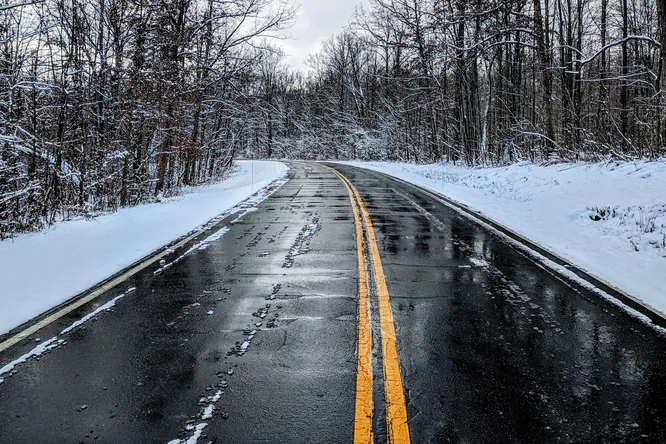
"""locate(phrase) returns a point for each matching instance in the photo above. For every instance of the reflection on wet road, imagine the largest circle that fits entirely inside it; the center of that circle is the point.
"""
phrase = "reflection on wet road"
(494, 348)
(252, 337)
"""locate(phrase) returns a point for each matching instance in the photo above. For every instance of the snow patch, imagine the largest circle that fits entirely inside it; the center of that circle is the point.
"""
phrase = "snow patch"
(644, 227)
(243, 214)
(302, 243)
(209, 240)
(198, 430)
(216, 397)
(299, 246)
(478, 262)
(208, 412)
(54, 342)
(34, 353)
(108, 306)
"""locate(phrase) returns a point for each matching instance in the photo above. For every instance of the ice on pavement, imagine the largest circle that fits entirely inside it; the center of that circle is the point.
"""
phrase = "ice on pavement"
(478, 262)
(55, 342)
(302, 242)
(571, 276)
(208, 412)
(299, 246)
(34, 353)
(608, 218)
(109, 305)
(216, 397)
(243, 214)
(243, 209)
(198, 430)
(41, 270)
(209, 240)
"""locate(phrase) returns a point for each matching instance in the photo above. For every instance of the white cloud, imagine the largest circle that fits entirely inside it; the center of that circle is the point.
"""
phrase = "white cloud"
(316, 21)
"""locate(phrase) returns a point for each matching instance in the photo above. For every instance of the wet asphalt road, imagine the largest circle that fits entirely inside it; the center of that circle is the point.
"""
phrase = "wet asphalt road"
(262, 325)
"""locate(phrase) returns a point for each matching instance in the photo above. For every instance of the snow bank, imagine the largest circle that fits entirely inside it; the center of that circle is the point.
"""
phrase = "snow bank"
(41, 270)
(607, 218)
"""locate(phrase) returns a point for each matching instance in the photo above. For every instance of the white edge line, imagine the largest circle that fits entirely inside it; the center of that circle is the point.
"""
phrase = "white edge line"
(20, 336)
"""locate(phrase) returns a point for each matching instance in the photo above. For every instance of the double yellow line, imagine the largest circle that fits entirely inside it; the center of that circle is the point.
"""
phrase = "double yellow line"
(396, 410)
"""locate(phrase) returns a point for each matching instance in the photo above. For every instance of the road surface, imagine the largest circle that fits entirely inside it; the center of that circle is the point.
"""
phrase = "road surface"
(278, 331)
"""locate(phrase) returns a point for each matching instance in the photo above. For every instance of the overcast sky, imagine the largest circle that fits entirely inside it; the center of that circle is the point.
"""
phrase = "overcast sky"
(316, 21)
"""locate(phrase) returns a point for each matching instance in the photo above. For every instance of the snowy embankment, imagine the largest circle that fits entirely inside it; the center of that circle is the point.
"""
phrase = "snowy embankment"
(607, 218)
(41, 270)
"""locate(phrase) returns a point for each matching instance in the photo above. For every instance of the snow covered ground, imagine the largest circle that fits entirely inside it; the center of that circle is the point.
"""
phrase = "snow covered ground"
(607, 218)
(41, 270)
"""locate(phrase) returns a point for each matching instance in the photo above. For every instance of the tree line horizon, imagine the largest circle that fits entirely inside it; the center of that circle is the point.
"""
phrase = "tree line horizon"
(111, 103)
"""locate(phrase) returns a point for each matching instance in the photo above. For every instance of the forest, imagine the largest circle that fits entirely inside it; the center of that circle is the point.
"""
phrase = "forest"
(480, 82)
(111, 103)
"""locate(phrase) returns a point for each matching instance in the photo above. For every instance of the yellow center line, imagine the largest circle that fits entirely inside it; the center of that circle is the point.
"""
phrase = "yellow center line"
(364, 404)
(396, 409)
